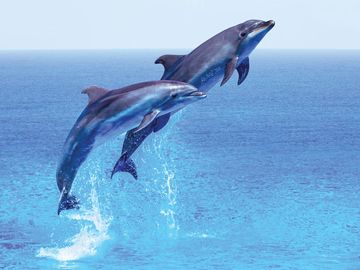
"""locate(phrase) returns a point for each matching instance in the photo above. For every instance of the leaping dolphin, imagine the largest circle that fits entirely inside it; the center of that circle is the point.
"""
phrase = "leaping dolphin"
(114, 112)
(214, 59)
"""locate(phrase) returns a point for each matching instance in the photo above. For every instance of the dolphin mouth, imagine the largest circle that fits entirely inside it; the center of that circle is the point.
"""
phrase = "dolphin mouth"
(262, 29)
(197, 94)
(270, 23)
(266, 25)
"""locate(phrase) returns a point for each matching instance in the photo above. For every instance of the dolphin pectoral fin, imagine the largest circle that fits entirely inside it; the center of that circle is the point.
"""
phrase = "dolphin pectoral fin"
(169, 61)
(67, 202)
(94, 93)
(147, 120)
(161, 122)
(125, 164)
(243, 70)
(229, 70)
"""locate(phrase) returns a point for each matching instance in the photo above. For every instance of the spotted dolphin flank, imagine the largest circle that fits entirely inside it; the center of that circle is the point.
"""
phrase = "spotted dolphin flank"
(114, 112)
(214, 60)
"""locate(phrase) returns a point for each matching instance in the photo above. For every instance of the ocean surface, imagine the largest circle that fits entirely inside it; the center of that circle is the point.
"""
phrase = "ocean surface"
(261, 176)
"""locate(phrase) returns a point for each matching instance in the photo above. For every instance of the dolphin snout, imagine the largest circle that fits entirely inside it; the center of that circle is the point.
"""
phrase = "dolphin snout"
(270, 24)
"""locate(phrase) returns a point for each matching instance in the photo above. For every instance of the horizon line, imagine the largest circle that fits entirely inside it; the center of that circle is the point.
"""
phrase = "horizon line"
(138, 49)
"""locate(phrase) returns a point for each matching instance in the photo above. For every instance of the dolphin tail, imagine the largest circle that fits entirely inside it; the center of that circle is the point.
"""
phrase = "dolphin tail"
(67, 201)
(125, 164)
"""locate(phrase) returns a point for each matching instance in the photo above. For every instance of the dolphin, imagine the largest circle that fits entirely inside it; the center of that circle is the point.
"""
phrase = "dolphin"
(114, 112)
(215, 59)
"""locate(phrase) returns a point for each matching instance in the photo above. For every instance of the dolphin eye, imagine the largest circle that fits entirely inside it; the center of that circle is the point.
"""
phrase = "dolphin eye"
(243, 34)
(173, 95)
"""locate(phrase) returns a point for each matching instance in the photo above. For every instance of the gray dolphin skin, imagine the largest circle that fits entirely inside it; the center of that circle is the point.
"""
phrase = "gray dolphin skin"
(215, 59)
(114, 112)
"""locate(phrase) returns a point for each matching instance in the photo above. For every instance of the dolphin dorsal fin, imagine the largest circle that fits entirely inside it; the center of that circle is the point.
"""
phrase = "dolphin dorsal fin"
(94, 93)
(169, 61)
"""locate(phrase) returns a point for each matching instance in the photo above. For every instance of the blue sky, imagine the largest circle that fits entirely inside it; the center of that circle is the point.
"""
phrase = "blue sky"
(116, 24)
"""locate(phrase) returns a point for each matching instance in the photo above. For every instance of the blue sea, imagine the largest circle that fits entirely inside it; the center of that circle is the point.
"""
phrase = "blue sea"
(261, 176)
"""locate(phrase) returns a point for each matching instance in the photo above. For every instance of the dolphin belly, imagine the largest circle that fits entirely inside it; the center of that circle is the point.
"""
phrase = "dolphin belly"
(115, 126)
(209, 78)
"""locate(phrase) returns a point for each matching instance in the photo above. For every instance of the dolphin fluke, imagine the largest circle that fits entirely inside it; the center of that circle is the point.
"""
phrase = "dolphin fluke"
(67, 202)
(125, 164)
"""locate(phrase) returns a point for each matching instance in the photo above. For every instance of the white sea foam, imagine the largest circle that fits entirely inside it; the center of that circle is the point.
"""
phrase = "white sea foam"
(200, 235)
(86, 242)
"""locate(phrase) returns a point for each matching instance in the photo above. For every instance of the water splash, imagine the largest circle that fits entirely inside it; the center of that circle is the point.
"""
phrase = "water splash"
(91, 235)
(169, 189)
(170, 192)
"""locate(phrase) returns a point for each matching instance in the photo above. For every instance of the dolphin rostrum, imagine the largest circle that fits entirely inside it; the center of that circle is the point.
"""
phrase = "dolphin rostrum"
(114, 112)
(215, 59)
